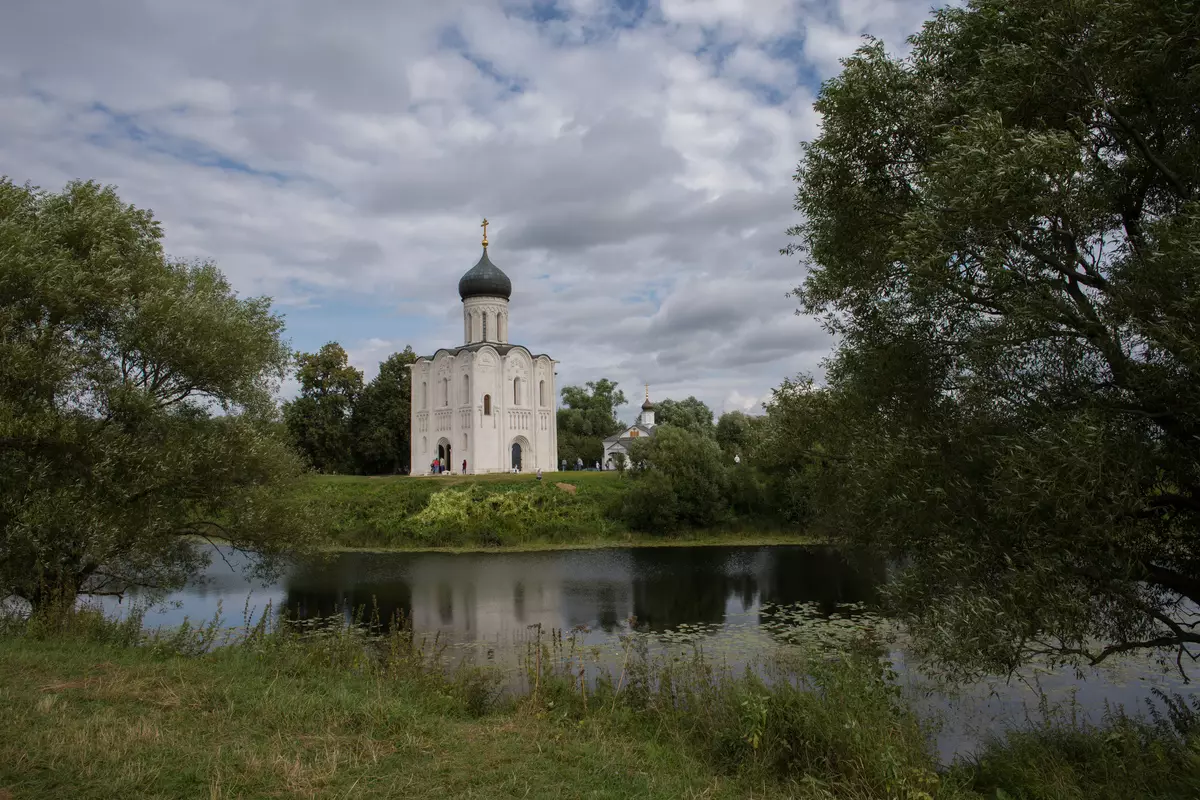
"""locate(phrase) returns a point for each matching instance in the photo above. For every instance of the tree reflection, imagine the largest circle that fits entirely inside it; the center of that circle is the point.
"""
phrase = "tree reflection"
(821, 575)
(337, 589)
(677, 585)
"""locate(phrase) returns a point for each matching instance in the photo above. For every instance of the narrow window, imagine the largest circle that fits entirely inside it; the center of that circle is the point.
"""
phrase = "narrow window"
(466, 390)
(516, 391)
(487, 405)
(424, 394)
(485, 327)
(445, 391)
(541, 393)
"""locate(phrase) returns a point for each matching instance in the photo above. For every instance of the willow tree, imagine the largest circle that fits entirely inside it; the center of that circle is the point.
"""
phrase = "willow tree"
(136, 404)
(1003, 227)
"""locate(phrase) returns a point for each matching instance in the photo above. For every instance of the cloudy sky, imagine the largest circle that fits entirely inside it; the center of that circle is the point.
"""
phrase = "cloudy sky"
(634, 158)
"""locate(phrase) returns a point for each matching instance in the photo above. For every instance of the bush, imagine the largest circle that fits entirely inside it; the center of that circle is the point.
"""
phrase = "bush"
(651, 505)
(479, 514)
(747, 491)
(686, 466)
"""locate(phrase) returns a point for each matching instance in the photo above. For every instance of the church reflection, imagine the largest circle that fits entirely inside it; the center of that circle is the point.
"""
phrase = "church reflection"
(495, 596)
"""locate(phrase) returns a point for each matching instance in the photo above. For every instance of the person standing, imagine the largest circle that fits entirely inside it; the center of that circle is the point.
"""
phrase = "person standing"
(464, 467)
(539, 473)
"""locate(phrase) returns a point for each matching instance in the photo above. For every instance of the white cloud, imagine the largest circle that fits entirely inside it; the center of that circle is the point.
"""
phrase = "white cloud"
(636, 162)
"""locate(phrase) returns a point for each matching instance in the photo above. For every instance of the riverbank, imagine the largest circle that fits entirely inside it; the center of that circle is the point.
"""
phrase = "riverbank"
(90, 715)
(499, 512)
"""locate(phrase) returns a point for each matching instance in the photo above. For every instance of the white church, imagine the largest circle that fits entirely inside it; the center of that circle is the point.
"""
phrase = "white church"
(487, 402)
(620, 442)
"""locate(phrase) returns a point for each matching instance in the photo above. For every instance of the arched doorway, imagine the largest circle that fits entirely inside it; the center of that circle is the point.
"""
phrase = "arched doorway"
(444, 455)
(521, 454)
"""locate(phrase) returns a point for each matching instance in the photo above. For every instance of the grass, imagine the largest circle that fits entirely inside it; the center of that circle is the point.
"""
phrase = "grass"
(104, 722)
(501, 511)
(96, 709)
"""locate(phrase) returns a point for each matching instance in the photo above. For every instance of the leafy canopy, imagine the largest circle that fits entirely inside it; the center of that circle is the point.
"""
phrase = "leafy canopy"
(380, 419)
(690, 414)
(1004, 232)
(136, 396)
(319, 420)
(679, 479)
(587, 417)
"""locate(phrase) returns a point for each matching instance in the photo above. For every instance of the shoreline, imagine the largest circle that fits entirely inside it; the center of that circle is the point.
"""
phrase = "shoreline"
(705, 540)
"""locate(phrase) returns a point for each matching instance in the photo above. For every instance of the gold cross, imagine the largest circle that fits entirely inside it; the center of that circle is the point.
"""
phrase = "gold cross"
(647, 391)
(484, 226)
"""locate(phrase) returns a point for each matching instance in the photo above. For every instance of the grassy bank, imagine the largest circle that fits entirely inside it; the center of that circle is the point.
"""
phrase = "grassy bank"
(496, 511)
(89, 715)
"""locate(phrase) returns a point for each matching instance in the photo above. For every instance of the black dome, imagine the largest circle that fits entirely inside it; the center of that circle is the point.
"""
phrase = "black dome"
(485, 278)
(647, 406)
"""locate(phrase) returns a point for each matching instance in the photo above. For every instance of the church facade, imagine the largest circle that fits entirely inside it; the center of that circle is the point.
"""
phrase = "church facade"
(487, 402)
(619, 443)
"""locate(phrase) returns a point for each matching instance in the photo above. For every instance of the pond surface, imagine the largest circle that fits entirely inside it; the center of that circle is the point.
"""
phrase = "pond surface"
(737, 603)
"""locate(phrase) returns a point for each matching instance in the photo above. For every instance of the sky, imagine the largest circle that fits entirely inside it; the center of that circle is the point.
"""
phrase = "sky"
(634, 159)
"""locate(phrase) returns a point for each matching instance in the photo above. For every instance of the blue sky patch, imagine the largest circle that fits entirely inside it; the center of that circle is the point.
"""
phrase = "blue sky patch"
(125, 127)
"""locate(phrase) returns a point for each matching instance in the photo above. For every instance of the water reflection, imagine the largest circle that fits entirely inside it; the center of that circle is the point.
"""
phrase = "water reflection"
(491, 595)
(732, 593)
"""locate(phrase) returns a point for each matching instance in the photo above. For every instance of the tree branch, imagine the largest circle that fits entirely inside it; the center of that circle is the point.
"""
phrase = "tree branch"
(1184, 585)
(1146, 152)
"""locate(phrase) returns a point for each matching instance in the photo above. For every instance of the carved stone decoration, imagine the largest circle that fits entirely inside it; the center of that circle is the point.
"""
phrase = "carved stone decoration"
(485, 395)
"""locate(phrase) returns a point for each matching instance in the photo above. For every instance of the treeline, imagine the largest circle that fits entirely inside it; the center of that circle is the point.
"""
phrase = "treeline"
(694, 473)
(341, 424)
(589, 415)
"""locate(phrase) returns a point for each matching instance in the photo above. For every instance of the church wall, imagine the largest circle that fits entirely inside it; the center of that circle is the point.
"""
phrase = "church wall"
(486, 428)
(447, 397)
(419, 388)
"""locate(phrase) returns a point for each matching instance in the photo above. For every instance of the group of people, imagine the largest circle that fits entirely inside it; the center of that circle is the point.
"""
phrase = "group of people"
(438, 466)
(578, 464)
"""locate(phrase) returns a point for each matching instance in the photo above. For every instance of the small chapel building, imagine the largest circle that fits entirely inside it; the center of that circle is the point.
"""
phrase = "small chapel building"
(620, 442)
(487, 402)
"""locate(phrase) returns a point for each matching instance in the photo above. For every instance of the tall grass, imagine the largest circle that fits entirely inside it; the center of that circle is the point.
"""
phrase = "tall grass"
(809, 725)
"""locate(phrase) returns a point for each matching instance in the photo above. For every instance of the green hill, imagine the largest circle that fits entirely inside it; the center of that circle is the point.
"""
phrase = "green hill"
(488, 511)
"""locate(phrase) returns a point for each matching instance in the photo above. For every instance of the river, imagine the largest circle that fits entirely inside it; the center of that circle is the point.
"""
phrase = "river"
(738, 603)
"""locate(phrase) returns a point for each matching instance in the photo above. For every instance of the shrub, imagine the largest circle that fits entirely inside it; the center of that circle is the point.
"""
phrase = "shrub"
(651, 505)
(687, 466)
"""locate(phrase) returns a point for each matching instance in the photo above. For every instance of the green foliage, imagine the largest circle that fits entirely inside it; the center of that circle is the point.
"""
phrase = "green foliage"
(1124, 758)
(791, 447)
(380, 419)
(1003, 228)
(481, 514)
(136, 403)
(319, 421)
(678, 479)
(690, 414)
(651, 504)
(588, 416)
(382, 512)
(735, 431)
(491, 510)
